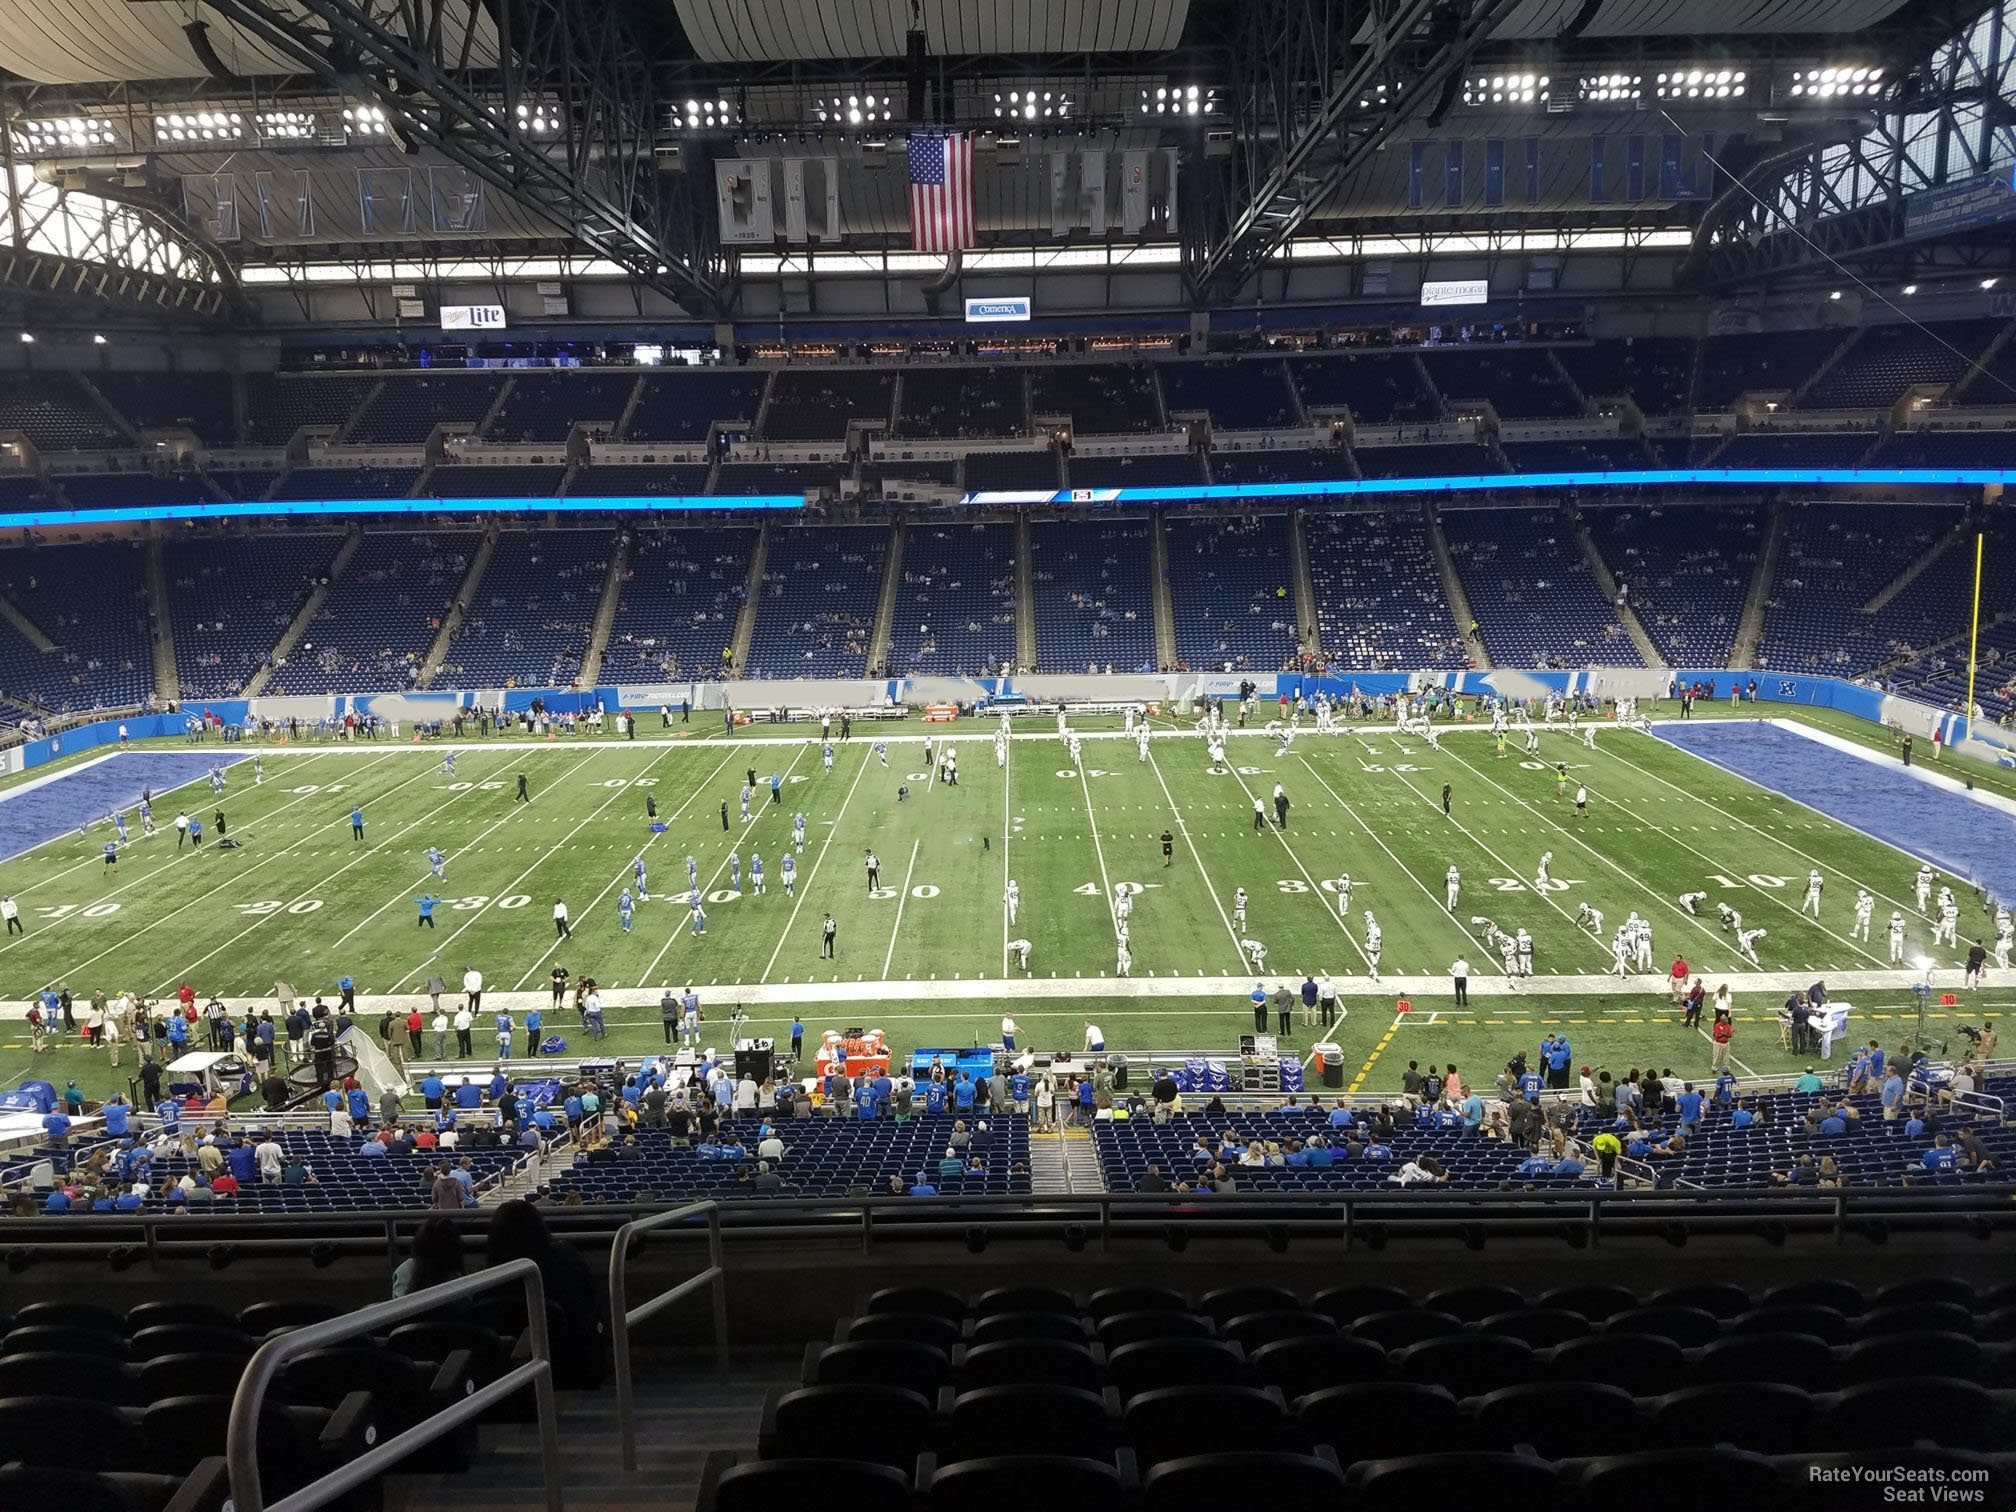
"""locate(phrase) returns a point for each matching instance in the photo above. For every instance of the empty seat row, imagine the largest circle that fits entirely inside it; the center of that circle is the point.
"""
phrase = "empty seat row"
(1208, 1481)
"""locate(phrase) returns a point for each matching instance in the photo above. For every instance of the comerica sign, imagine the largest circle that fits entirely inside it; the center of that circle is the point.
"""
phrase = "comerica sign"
(1016, 308)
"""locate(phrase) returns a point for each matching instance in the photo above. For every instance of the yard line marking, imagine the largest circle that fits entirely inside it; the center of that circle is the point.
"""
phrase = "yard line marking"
(734, 848)
(1238, 950)
(294, 849)
(89, 860)
(812, 875)
(147, 876)
(1374, 837)
(1105, 883)
(1785, 844)
(1664, 902)
(511, 813)
(368, 852)
(1315, 887)
(1377, 1051)
(550, 851)
(1007, 827)
(1510, 870)
(901, 898)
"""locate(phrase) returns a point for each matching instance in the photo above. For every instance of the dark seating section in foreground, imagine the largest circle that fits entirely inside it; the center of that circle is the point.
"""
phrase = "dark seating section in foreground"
(103, 1411)
(1367, 1396)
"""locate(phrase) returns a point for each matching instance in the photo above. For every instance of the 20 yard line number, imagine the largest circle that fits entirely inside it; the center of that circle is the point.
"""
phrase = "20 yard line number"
(265, 907)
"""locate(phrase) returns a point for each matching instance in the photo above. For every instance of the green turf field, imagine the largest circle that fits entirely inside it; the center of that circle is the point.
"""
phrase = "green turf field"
(923, 955)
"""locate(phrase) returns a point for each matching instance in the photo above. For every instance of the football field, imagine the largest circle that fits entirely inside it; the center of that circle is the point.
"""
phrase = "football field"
(925, 952)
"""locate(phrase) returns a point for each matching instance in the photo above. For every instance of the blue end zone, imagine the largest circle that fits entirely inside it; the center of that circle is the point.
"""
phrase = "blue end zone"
(1959, 835)
(38, 815)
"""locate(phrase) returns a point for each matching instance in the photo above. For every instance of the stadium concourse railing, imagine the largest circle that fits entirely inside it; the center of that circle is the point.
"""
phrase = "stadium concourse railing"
(241, 1450)
(623, 1317)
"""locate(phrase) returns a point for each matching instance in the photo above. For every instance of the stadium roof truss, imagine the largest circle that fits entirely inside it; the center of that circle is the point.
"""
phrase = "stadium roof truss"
(74, 238)
(579, 65)
(1845, 203)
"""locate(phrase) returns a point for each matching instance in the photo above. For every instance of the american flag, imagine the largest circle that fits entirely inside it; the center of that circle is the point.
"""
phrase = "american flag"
(941, 192)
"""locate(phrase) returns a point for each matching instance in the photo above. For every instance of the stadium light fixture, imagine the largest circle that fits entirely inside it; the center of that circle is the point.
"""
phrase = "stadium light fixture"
(854, 110)
(1181, 100)
(1835, 82)
(98, 339)
(538, 119)
(1989, 283)
(1379, 96)
(285, 125)
(196, 128)
(1910, 289)
(1702, 84)
(1834, 294)
(1604, 88)
(1032, 105)
(366, 121)
(716, 114)
(27, 338)
(64, 134)
(1507, 89)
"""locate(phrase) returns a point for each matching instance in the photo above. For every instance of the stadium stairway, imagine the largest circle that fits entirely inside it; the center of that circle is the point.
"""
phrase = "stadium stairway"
(1025, 595)
(1607, 581)
(752, 597)
(1750, 624)
(1452, 589)
(305, 616)
(1310, 628)
(166, 683)
(30, 631)
(1049, 1167)
(464, 596)
(1911, 573)
(885, 601)
(1822, 368)
(1165, 606)
(1567, 378)
(605, 612)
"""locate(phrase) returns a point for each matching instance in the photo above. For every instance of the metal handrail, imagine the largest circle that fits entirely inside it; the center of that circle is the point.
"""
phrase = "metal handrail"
(623, 1318)
(242, 1442)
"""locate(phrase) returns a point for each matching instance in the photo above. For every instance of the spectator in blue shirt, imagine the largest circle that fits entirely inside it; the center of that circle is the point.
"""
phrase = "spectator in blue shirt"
(56, 1125)
(1322, 1157)
(1535, 1165)
(1893, 1096)
(430, 1090)
(1941, 1157)
(1742, 1117)
(1473, 1111)
(1341, 1117)
(116, 1113)
(370, 1149)
(922, 1187)
(469, 1095)
(1690, 1108)
(244, 1162)
(360, 1105)
(1568, 1166)
(1914, 1127)
(963, 1093)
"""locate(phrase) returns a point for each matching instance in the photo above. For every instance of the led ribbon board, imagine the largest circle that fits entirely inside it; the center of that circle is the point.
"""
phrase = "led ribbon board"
(1200, 493)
